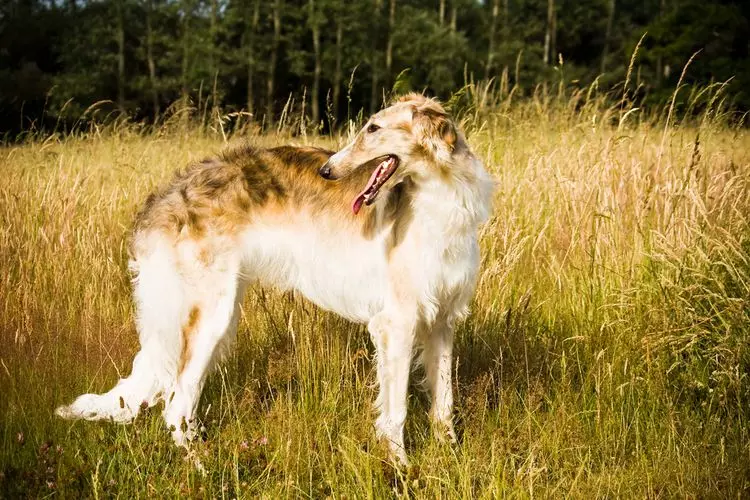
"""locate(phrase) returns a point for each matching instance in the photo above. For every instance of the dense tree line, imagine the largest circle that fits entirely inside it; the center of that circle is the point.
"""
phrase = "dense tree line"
(57, 57)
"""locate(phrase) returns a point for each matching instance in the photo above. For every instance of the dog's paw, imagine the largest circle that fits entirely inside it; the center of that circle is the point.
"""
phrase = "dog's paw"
(66, 412)
(86, 406)
(183, 428)
(97, 407)
(391, 437)
(398, 456)
(183, 434)
(444, 432)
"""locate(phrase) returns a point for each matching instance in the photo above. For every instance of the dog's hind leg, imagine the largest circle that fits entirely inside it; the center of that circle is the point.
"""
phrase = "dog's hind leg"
(211, 326)
(121, 403)
(159, 297)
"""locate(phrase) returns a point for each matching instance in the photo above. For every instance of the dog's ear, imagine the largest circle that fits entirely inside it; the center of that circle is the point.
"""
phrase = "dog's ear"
(434, 127)
(448, 132)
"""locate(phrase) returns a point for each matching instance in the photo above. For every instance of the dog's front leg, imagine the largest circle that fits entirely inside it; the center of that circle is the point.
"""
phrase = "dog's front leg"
(393, 332)
(437, 357)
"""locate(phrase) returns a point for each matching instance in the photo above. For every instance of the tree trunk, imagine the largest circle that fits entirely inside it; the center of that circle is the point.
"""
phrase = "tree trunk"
(374, 90)
(214, 56)
(315, 27)
(337, 75)
(120, 55)
(272, 63)
(389, 46)
(607, 36)
(185, 49)
(550, 36)
(150, 58)
(506, 19)
(659, 60)
(442, 12)
(493, 30)
(252, 28)
(454, 15)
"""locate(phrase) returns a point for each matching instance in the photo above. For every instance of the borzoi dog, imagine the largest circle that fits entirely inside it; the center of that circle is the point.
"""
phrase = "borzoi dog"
(384, 232)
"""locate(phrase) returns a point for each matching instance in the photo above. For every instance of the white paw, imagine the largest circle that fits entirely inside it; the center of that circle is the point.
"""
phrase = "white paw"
(97, 407)
(183, 433)
(398, 455)
(180, 422)
(392, 435)
(443, 431)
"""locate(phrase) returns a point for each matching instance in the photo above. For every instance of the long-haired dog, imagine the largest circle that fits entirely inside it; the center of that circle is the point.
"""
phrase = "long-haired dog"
(383, 232)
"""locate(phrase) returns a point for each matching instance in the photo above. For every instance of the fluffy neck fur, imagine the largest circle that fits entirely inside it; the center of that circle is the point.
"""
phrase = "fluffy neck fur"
(470, 190)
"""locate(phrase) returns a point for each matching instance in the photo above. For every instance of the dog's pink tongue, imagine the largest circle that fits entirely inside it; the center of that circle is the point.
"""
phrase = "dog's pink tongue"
(357, 204)
(360, 199)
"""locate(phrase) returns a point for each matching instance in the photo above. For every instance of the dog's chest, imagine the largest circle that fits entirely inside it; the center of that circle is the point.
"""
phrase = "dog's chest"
(455, 265)
(448, 255)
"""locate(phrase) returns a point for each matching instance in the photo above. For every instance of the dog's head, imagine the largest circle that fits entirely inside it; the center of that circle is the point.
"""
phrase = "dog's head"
(414, 137)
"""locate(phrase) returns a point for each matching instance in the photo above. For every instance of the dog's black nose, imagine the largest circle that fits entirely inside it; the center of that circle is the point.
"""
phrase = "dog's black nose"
(325, 171)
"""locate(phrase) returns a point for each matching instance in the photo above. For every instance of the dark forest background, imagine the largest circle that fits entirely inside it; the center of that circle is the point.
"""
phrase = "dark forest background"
(58, 57)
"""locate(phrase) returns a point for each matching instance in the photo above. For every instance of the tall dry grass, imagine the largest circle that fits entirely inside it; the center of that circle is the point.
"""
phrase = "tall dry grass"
(607, 353)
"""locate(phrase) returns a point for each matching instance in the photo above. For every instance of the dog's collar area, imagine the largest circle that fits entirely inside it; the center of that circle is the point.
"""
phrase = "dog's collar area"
(386, 167)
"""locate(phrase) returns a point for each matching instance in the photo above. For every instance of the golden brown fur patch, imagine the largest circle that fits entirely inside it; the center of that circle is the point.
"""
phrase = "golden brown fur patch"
(188, 332)
(221, 195)
(431, 120)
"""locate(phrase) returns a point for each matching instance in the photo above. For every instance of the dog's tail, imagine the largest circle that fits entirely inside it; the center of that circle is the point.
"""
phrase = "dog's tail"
(159, 297)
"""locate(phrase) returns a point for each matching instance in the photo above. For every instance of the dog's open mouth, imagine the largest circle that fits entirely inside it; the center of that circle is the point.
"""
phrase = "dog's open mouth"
(382, 173)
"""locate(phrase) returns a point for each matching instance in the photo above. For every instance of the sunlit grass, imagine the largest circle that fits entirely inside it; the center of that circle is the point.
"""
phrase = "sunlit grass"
(607, 354)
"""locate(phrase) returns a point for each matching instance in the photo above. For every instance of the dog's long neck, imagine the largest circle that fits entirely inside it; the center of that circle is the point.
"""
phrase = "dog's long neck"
(460, 201)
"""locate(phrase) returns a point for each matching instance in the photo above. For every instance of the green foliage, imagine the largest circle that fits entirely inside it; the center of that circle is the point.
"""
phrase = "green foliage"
(717, 31)
(432, 56)
(58, 58)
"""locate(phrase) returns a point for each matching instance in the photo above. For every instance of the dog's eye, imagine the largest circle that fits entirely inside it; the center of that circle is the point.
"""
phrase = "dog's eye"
(372, 128)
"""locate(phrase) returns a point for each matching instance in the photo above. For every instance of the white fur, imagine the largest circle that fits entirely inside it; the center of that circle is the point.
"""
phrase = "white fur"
(410, 297)
(336, 270)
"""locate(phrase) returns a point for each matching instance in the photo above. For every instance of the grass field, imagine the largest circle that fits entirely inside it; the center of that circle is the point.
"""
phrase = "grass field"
(607, 353)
